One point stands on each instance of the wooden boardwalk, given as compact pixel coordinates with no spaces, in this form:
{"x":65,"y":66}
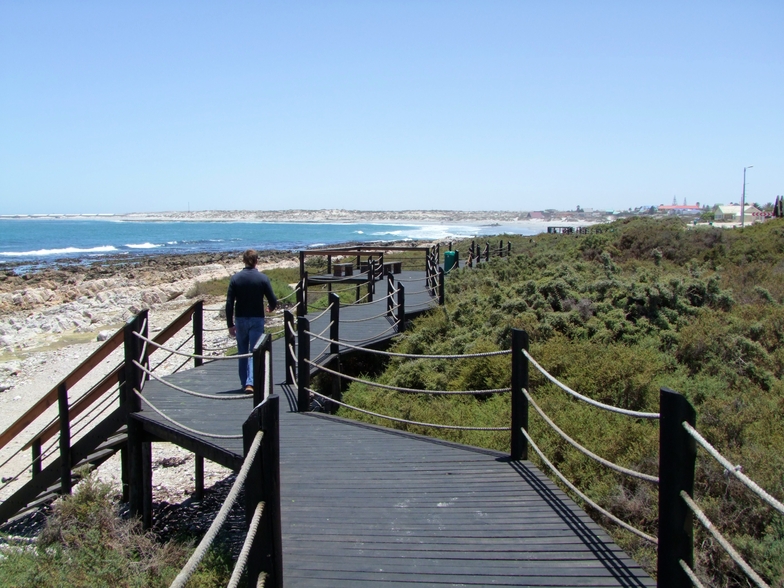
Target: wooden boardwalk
{"x":367,"y":505}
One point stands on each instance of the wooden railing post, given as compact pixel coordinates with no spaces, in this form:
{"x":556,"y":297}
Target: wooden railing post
{"x":302,"y":296}
{"x":198,"y":477}
{"x":519,"y":401}
{"x":509,"y":249}
{"x":487,"y":251}
{"x":371,"y":277}
{"x":401,"y":307}
{"x":289,"y":341}
{"x":198,"y":332}
{"x":263,"y":485}
{"x":473,"y":254}
{"x":138,"y":475}
{"x":36,"y":458}
{"x":65,"y":439}
{"x":334,"y":318}
{"x":441,"y":286}
{"x":501,"y":248}
{"x":303,"y":371}
{"x":677,"y":457}
{"x":390,"y":295}
{"x":260,"y":375}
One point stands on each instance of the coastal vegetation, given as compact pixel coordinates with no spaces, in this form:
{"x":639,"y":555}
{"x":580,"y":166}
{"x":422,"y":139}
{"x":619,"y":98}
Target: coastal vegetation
{"x":616,"y":314}
{"x":86,"y":543}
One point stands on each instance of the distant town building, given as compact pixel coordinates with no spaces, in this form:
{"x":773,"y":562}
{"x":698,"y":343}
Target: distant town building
{"x":730,"y":213}
{"x":536,"y":215}
{"x":680,"y":208}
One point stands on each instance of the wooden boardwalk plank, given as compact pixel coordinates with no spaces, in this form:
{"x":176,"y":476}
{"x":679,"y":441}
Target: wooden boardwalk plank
{"x":368,"y":505}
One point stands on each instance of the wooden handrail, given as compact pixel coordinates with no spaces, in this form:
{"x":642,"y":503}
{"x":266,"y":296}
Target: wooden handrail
{"x":96,"y":392}
{"x":80,"y":405}
{"x":70,"y":380}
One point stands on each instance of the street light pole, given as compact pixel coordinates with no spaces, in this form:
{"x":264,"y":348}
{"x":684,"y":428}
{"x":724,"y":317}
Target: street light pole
{"x":743,"y":198}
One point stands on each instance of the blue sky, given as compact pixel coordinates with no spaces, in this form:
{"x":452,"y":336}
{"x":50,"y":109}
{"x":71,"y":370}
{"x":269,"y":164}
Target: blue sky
{"x":395,"y":104}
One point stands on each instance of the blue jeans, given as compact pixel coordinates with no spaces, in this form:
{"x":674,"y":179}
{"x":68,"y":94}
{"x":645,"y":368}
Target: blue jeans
{"x":249,"y":331}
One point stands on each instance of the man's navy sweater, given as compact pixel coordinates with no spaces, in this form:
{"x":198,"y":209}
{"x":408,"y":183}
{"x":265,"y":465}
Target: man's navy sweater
{"x":248,"y":288}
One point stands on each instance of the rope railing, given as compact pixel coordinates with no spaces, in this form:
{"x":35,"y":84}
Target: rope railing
{"x":690,"y":573}
{"x":591,"y":401}
{"x":419,"y":356}
{"x":408,"y":390}
{"x":192,"y":355}
{"x":362,"y":320}
{"x":292,"y":328}
{"x":582,"y":495}
{"x":293,"y":375}
{"x":584,"y":450}
{"x":242,"y":560}
{"x":732,"y":469}
{"x":206,"y":541}
{"x":180,"y":425}
{"x":375,"y":335}
{"x":318,"y":316}
{"x":736,"y":557}
{"x":165,"y":359}
{"x":406,"y":421}
{"x":189,"y":392}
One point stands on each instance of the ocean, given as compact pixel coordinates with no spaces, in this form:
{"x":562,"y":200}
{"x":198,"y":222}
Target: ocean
{"x":41,"y":241}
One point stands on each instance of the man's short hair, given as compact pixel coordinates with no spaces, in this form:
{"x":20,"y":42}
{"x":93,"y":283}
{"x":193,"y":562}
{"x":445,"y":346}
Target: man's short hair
{"x":250,"y":257}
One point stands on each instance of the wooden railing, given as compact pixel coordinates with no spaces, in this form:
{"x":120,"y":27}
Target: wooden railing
{"x":89,"y":405}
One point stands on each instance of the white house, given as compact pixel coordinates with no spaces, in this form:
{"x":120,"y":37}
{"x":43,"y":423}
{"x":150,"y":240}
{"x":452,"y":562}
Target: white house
{"x":730,"y":213}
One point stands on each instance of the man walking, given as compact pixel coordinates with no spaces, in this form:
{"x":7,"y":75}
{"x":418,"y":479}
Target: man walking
{"x":245,"y":311}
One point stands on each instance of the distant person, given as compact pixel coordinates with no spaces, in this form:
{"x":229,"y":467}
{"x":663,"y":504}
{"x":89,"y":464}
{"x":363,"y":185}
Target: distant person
{"x":245,"y":311}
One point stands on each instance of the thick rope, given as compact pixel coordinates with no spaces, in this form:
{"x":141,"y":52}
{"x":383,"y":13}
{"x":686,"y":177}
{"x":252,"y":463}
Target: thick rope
{"x":397,"y":420}
{"x":370,"y":318}
{"x":734,"y":470}
{"x":375,"y":335}
{"x":292,"y":329}
{"x":242,"y":560}
{"x":591,"y":401}
{"x":214,"y":330}
{"x":723,"y":542}
{"x":293,"y":376}
{"x":220,"y":518}
{"x":191,"y":392}
{"x":408,"y":390}
{"x":585,"y":499}
{"x":417,"y":356}
{"x":689,"y":572}
{"x":356,"y":301}
{"x":183,"y":427}
{"x":192,"y":355}
{"x":292,"y":352}
{"x":325,"y":311}
{"x":585,"y":451}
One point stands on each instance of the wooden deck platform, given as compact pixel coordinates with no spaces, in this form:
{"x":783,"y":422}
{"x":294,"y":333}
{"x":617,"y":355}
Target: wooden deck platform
{"x":367,"y":505}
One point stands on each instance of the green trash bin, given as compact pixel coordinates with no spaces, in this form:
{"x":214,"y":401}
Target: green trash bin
{"x":450,"y":260}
